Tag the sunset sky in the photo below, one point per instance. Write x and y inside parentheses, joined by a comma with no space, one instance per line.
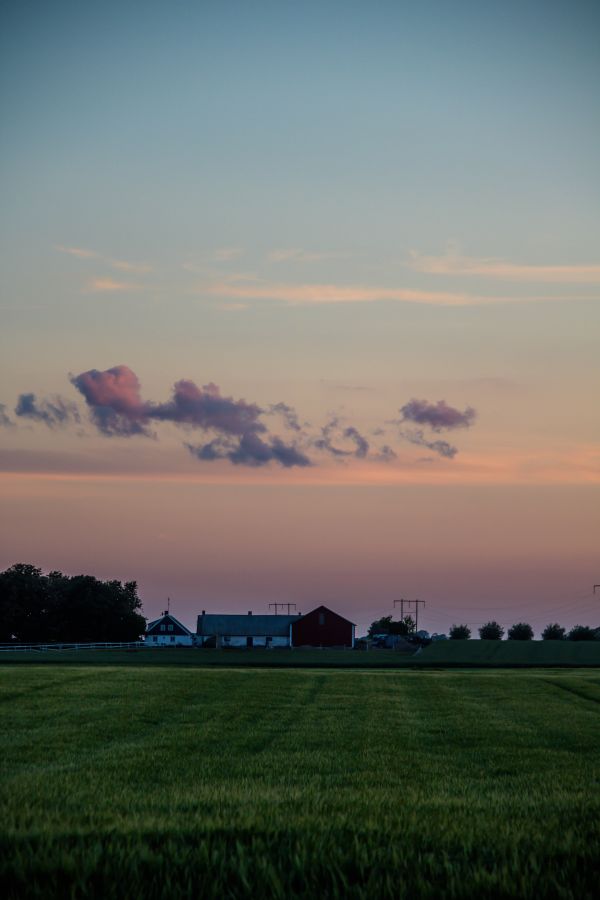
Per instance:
(301,303)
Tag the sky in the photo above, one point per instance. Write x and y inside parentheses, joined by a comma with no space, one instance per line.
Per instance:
(300,302)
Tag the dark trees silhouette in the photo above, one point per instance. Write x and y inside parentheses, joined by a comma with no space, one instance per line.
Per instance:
(491,631)
(387,625)
(520,632)
(460,633)
(38,608)
(582,633)
(553,632)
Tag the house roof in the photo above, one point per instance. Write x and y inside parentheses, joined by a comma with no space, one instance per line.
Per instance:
(164,619)
(245,626)
(325,609)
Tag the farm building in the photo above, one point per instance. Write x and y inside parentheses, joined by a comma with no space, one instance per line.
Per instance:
(168,630)
(320,628)
(244,631)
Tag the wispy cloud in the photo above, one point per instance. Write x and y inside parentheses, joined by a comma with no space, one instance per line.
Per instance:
(314,294)
(124,266)
(298,254)
(5,420)
(438,416)
(452,263)
(577,464)
(232,307)
(55,412)
(109,285)
(243,288)
(443,448)
(348,440)
(234,428)
(121,265)
(80,252)
(209,263)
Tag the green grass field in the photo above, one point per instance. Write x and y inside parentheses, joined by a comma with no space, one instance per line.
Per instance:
(182,656)
(484,654)
(170,781)
(511,653)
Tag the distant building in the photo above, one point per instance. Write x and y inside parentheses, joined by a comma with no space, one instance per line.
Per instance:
(392,642)
(320,628)
(244,631)
(168,631)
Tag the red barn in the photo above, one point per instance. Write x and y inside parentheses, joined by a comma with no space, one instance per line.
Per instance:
(322,628)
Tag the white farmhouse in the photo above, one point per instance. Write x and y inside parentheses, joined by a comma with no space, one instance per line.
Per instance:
(168,631)
(244,631)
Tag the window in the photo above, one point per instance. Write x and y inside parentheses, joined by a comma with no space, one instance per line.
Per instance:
(321,618)
(162,627)
(173,639)
(170,628)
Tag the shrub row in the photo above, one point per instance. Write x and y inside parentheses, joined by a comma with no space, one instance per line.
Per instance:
(522,631)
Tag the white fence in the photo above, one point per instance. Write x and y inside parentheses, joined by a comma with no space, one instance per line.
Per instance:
(122,645)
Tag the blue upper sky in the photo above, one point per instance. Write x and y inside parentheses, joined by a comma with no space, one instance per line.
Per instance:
(373,128)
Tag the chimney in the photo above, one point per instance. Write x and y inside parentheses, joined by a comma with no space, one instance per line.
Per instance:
(249,612)
(203,612)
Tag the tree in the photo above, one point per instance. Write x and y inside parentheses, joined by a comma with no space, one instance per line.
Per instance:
(491,631)
(553,632)
(582,633)
(37,608)
(460,633)
(23,603)
(387,625)
(93,610)
(520,632)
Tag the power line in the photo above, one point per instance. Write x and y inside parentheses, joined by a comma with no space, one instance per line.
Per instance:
(415,603)
(563,605)
(283,606)
(583,604)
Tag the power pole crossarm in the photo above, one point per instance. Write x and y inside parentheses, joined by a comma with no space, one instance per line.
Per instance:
(408,604)
(276,606)
(417,603)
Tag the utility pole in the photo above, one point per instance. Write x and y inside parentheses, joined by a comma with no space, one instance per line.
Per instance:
(416,604)
(401,601)
(283,606)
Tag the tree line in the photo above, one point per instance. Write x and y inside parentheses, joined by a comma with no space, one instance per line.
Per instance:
(522,631)
(491,631)
(57,608)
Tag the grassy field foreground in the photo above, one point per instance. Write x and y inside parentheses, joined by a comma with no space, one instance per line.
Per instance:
(510,653)
(461,654)
(255,658)
(175,782)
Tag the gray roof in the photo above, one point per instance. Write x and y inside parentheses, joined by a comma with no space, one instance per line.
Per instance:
(241,626)
(163,618)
